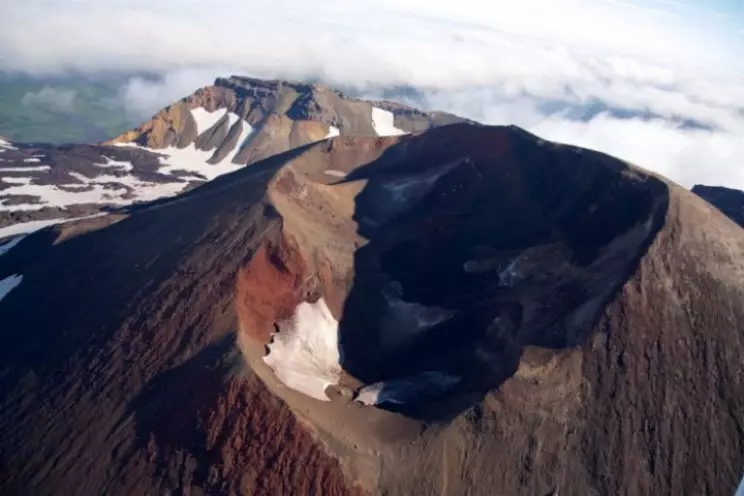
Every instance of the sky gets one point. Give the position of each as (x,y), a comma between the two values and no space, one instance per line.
(654,82)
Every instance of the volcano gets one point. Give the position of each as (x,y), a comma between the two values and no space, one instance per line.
(462,309)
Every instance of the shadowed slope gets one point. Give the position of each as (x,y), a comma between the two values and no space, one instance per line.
(127,368)
(727,200)
(510,265)
(588,310)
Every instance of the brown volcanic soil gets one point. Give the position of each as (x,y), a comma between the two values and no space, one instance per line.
(608,361)
(283,114)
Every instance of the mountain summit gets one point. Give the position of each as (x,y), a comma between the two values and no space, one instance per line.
(464,310)
(273,116)
(218,129)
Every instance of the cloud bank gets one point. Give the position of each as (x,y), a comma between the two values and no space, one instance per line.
(655,82)
(51,98)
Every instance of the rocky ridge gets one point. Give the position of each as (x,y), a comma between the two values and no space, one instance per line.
(466,310)
(218,129)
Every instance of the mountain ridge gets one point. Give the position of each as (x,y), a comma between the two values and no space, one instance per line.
(217,129)
(238,121)
(579,300)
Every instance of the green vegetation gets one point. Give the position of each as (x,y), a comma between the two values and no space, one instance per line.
(69,110)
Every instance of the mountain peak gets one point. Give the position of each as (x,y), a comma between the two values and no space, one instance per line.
(218,129)
(298,113)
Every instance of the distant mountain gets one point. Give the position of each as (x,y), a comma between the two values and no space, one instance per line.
(465,310)
(729,201)
(219,129)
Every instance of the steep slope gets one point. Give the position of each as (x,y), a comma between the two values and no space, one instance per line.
(727,200)
(219,129)
(469,310)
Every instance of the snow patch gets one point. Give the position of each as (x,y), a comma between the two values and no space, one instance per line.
(116,164)
(191,159)
(246,131)
(383,122)
(740,489)
(78,176)
(205,119)
(74,186)
(333,131)
(127,189)
(26,228)
(33,160)
(305,353)
(6,247)
(8,284)
(101,191)
(409,389)
(17,180)
(232,119)
(5,145)
(33,168)
(336,173)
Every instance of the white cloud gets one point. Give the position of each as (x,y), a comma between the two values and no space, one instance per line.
(647,80)
(143,96)
(53,98)
(687,156)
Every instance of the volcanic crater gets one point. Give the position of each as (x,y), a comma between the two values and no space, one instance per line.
(440,258)
(468,310)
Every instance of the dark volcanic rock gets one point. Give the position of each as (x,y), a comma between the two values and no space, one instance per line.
(589,311)
(729,201)
(32,178)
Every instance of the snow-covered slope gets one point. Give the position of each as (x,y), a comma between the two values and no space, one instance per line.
(215,131)
(180,162)
(305,352)
(383,121)
(8,284)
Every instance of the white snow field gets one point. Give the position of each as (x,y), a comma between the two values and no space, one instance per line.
(126,189)
(382,120)
(8,284)
(205,119)
(334,173)
(190,159)
(333,131)
(98,190)
(33,168)
(305,352)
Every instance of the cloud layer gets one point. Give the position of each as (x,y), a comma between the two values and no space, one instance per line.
(655,82)
(52,98)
